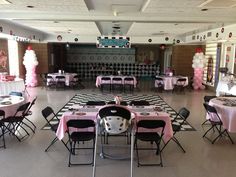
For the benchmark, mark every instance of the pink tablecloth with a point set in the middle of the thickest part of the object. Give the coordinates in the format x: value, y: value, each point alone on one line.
x: 99, y: 79
x: 90, y: 114
x: 169, y: 82
x: 68, y: 77
x: 226, y: 113
x: 10, y: 104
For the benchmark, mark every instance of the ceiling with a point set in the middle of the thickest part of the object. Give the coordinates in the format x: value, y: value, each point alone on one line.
x: 134, y: 18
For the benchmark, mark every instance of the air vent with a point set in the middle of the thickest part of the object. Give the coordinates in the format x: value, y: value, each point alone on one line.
x: 209, y: 34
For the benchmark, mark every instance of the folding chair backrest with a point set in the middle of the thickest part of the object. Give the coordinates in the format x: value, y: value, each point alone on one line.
x: 151, y: 124
x: 212, y: 112
x: 181, y: 81
x: 140, y: 103
x: 96, y: 103
x: 80, y: 123
x: 2, y: 114
x: 22, y: 109
x: 49, y: 114
x: 184, y: 113
x: 208, y: 98
x: 31, y: 104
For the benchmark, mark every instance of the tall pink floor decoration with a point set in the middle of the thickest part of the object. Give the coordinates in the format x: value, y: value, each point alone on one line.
x: 198, y: 65
x: 30, y: 62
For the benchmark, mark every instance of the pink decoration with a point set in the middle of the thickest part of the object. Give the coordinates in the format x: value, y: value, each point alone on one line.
x: 29, y: 47
x: 30, y: 62
x: 198, y: 65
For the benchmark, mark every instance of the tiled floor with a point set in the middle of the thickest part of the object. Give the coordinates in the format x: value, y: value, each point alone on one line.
x: 202, y: 159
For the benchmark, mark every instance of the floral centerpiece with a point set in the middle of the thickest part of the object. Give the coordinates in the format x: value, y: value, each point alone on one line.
x: 117, y: 99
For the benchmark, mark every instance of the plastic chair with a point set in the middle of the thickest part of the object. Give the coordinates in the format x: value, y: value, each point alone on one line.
x: 216, y: 122
x: 183, y: 114
x: 80, y: 136
x: 114, y: 120
x: 151, y: 135
x: 49, y: 114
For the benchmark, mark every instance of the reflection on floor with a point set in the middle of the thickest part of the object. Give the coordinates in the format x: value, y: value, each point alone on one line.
x: 28, y: 159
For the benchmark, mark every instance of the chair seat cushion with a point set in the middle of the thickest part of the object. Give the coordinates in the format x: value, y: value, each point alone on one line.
x: 82, y: 136
x: 148, y: 136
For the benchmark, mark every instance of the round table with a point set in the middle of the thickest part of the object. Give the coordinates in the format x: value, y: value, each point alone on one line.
x: 10, y: 103
x: 226, y: 111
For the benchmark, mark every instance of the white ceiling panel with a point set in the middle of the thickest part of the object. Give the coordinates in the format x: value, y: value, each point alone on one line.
x: 133, y: 17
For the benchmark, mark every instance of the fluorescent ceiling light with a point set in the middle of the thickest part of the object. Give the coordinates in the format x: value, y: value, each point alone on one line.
x: 5, y: 2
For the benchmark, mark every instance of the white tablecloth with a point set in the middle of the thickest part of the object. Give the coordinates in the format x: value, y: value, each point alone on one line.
x: 170, y: 81
x: 226, y: 113
x: 223, y: 88
x: 6, y: 87
x: 9, y: 104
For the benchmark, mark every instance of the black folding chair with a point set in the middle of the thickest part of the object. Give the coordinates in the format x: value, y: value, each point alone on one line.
x: 49, y: 114
x: 95, y: 103
x: 151, y: 135
x: 117, y: 84
x: 216, y: 122
x: 129, y: 84
x: 16, y: 121
x: 183, y: 114
x: 207, y: 99
x: 139, y: 103
x: 105, y: 83
x: 75, y: 137
x: 180, y: 85
x: 159, y: 84
x: 2, y: 127
x: 29, y: 113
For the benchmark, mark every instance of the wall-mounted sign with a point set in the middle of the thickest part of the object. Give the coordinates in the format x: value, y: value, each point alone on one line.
x: 113, y: 42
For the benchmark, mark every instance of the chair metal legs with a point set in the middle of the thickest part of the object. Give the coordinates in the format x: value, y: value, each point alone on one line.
x: 53, y: 142
x: 220, y: 134
x: 3, y: 137
x: 176, y: 141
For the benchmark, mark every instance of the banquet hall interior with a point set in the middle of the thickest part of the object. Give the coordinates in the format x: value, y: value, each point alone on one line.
x: 176, y: 57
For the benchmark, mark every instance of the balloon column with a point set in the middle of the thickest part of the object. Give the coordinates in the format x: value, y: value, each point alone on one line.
x: 198, y: 65
x: 30, y: 62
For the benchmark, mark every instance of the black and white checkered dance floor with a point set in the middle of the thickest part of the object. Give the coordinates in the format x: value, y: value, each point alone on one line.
x: 153, y: 100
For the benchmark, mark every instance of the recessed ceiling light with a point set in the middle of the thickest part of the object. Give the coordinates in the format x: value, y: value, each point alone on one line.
x: 30, y: 7
x: 116, y: 27
x: 204, y: 9
x: 176, y: 24
x: 56, y: 22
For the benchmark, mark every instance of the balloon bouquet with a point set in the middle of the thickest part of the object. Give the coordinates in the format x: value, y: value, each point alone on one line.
x: 30, y: 62
x: 199, y: 62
